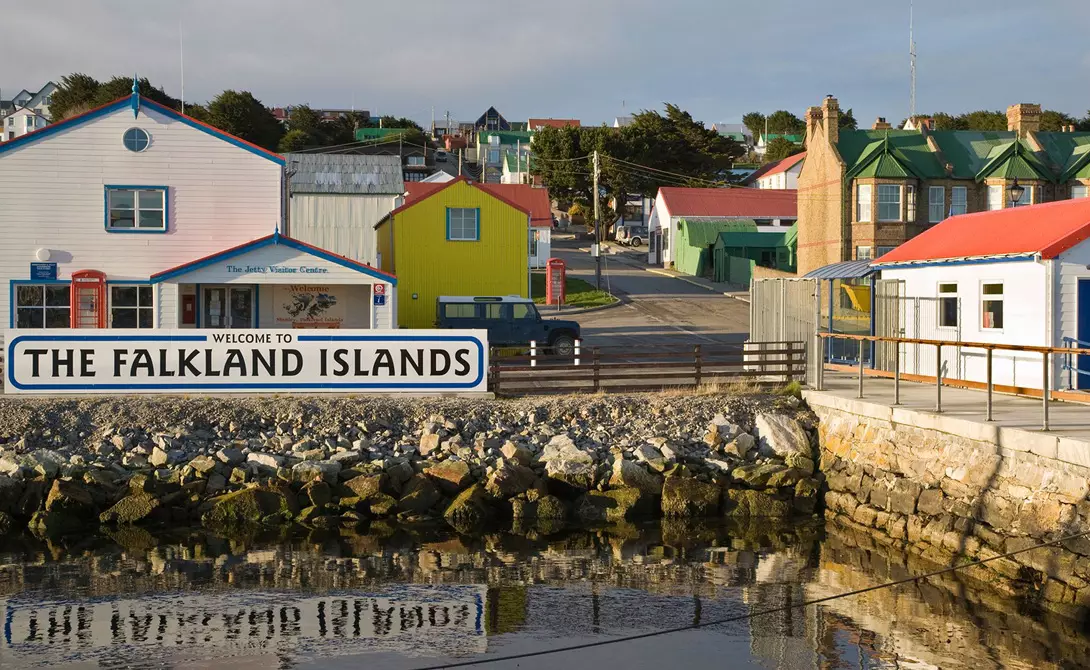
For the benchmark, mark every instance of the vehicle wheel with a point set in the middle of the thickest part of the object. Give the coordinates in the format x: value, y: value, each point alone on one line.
x: 636, y: 241
x: 563, y: 346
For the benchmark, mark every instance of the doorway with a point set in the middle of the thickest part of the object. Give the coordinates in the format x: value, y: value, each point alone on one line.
x: 1082, y: 365
x: 228, y: 307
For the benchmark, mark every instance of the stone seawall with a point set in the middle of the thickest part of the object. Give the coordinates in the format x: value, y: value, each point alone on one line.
x: 66, y: 464
x: 953, y: 491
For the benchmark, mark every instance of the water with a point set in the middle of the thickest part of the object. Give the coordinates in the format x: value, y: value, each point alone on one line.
x: 421, y: 596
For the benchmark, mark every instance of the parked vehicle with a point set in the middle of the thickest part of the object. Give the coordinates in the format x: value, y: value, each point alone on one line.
x: 510, y: 321
x: 630, y: 234
x: 440, y: 155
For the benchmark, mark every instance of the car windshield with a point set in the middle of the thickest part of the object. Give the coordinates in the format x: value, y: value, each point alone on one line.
x: 524, y: 310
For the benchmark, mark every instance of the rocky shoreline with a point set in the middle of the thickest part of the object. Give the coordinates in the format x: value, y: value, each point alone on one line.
x: 69, y: 464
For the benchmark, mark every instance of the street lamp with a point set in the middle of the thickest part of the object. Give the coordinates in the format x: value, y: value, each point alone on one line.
x: 1016, y: 191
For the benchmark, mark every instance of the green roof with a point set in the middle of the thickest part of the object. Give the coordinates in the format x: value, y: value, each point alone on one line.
x: 797, y: 139
x: 511, y: 137
x: 971, y: 154
x: 379, y: 133
x: 509, y: 162
x: 705, y: 233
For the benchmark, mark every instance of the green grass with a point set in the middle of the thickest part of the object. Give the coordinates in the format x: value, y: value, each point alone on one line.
x: 579, y: 292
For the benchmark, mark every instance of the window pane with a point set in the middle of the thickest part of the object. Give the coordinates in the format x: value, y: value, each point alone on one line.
x: 58, y: 317
x: 936, y: 204
x: 889, y: 202
x: 523, y: 311
x: 863, y: 203
x: 151, y: 219
x: 58, y: 296
x: 29, y: 296
x: 1027, y: 196
x: 995, y: 197
x: 123, y: 296
x: 958, y: 200
x: 493, y: 311
x: 993, y: 314
x: 910, y: 202
x: 145, y: 296
x: 460, y: 311
x: 1080, y: 191
x: 863, y: 253
x: 28, y: 318
x: 124, y: 199
x: 123, y: 318
x: 993, y: 289
x: 151, y: 199
x: 948, y: 312
x: 948, y: 288
x: 146, y: 318
x: 122, y: 218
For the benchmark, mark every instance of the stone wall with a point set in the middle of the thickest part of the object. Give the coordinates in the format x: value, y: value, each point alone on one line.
x: 954, y: 496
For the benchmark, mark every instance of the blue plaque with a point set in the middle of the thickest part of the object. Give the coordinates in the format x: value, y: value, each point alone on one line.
x: 380, y: 299
x: 43, y: 270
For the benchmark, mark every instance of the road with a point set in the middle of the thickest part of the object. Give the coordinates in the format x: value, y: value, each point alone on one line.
x: 661, y: 310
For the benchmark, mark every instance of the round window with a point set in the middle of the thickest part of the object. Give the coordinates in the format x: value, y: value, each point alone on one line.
x: 136, y: 139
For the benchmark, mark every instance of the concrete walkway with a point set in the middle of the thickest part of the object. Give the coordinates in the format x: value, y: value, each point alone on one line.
x: 1017, y: 421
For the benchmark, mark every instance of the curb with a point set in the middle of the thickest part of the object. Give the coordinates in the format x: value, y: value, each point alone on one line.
x: 621, y: 300
x: 663, y: 273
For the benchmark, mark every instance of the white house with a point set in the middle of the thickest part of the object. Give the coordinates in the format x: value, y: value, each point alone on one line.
x: 25, y: 112
x: 135, y: 216
x: 336, y: 200
x: 773, y: 211
x: 782, y: 174
x: 1017, y: 276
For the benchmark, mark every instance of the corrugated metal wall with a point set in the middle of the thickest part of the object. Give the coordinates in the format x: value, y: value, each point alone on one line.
x: 343, y: 224
x: 784, y: 310
x: 428, y: 265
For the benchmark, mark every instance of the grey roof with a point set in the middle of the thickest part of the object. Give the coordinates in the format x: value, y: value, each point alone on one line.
x: 843, y: 270
x: 345, y: 173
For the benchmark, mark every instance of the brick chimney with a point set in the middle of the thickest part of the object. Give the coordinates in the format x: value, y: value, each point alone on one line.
x: 813, y: 122
x: 1024, y: 118
x: 881, y: 124
x: 830, y: 110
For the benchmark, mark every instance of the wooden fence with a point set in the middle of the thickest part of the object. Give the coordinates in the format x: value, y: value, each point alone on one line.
x: 653, y: 368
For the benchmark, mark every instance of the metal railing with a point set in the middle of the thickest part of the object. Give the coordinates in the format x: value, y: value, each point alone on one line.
x: 632, y: 368
x: 988, y: 347
x: 1071, y: 361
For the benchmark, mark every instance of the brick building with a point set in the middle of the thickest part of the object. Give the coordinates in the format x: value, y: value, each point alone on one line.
x: 863, y: 192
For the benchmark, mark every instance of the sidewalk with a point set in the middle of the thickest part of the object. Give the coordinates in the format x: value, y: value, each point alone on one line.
x: 633, y: 260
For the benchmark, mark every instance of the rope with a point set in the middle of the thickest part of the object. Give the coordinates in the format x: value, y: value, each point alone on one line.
x: 750, y: 615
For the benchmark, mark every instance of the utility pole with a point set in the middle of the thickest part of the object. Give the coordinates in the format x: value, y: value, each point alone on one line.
x: 597, y: 228
x: 460, y: 162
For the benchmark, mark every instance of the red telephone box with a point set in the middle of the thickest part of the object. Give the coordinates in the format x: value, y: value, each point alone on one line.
x: 88, y: 299
x: 555, y: 281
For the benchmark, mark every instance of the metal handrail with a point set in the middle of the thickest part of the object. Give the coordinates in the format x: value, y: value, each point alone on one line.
x: 989, y: 348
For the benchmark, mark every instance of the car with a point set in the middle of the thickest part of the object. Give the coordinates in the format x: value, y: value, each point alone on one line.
x: 440, y: 155
x: 630, y: 234
x: 511, y: 321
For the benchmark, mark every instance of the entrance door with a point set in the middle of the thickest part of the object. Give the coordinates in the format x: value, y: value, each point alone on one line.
x: 228, y: 307
x: 1083, y: 363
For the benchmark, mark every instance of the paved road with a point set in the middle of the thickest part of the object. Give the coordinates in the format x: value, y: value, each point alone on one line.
x: 662, y: 310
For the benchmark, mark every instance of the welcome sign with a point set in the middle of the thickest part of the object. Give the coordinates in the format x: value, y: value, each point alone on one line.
x: 310, y: 306
x: 244, y: 361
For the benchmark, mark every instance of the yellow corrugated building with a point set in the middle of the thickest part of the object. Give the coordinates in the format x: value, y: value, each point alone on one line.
x: 453, y: 239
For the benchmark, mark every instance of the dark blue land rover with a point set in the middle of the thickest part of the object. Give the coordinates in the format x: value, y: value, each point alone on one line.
x: 509, y: 320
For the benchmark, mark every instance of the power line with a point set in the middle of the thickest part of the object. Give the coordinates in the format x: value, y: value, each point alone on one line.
x: 751, y: 615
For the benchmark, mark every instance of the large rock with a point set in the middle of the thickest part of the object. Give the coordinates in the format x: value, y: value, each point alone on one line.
x: 470, y: 509
x: 367, y: 486
x: 517, y: 453
x: 510, y: 479
x: 562, y: 448
x: 806, y: 494
x: 133, y: 508
x: 46, y: 462
x: 689, y: 497
x: 419, y: 495
x: 720, y: 431
x: 253, y: 506
x: 71, y: 498
x: 271, y: 461
x: 308, y: 471
x: 629, y: 474
x: 545, y: 507
x: 572, y: 476
x: 203, y: 464
x: 451, y: 475
x: 750, y: 503
x: 650, y: 456
x: 800, y: 462
x: 429, y: 442
x: 740, y: 446
x: 757, y: 475
x: 613, y: 505
x: 780, y: 435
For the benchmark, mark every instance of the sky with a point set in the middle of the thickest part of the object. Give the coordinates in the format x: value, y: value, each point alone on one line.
x: 586, y: 59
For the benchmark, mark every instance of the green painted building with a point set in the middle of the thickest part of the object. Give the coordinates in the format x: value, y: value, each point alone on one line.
x: 705, y: 248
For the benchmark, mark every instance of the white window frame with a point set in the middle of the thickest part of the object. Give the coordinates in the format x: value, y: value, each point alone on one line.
x: 162, y: 208
x: 456, y: 224
x: 110, y: 307
x: 864, y: 204
x: 860, y: 255
x: 1027, y: 196
x: 43, y: 307
x: 933, y: 202
x: 1080, y: 191
x: 899, y: 202
x: 415, y: 161
x: 995, y: 202
x: 992, y: 297
x: 963, y: 205
x: 943, y: 297
x: 910, y: 202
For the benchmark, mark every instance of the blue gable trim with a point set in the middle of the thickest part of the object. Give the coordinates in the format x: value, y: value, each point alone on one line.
x: 273, y: 239
x: 953, y: 261
x: 126, y: 102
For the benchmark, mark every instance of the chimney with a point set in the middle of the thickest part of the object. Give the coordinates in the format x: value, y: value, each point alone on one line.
x: 1024, y: 118
x: 813, y: 122
x: 830, y: 110
x: 881, y: 124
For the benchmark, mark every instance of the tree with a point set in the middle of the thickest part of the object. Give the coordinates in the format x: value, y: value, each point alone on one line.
x: 120, y: 87
x: 74, y: 91
x: 780, y: 148
x: 755, y: 122
x: 785, y: 123
x: 847, y: 121
x: 294, y: 140
x: 985, y: 120
x: 1053, y: 121
x: 1084, y: 125
x: 944, y: 121
x: 199, y: 112
x: 243, y: 115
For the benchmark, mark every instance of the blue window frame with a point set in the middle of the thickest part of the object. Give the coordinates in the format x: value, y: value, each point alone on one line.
x: 137, y: 209
x: 463, y: 224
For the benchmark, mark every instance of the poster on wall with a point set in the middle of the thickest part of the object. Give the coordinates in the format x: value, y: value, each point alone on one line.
x: 309, y: 306
x: 66, y: 361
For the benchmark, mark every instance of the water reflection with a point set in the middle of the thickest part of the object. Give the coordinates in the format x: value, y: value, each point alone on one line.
x: 405, y: 597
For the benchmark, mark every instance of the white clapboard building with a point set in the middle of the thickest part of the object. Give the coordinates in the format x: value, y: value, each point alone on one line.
x: 133, y: 215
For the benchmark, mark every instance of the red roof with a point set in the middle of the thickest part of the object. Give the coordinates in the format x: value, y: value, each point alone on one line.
x: 537, y: 124
x: 417, y: 191
x: 535, y: 200
x: 748, y: 203
x: 1048, y: 230
x: 775, y: 168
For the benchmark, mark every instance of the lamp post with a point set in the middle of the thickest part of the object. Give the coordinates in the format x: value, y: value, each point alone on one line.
x: 1016, y: 191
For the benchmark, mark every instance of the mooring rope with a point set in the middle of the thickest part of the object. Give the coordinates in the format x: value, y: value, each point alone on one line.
x: 749, y: 615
